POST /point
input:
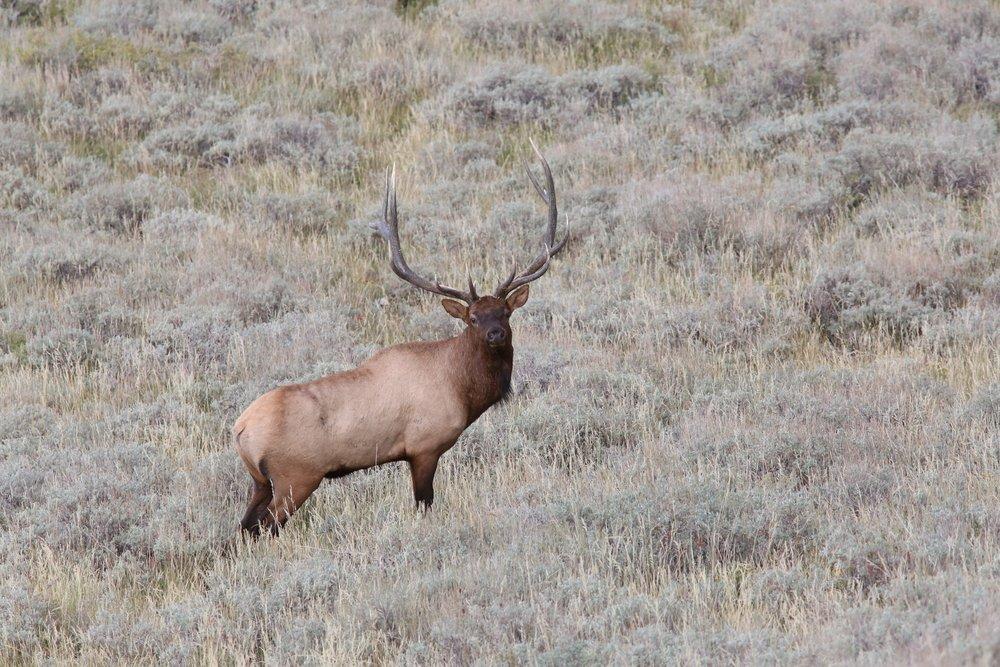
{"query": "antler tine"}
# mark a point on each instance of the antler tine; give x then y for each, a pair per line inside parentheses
(505, 285)
(389, 230)
(549, 197)
(385, 199)
(540, 264)
(533, 272)
(385, 227)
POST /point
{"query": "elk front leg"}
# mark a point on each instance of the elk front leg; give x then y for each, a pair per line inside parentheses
(422, 470)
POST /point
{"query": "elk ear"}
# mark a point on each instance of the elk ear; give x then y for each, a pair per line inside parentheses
(456, 309)
(518, 299)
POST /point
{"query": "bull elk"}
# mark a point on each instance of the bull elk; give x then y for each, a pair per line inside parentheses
(408, 402)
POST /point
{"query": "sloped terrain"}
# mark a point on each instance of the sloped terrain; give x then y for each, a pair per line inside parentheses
(756, 414)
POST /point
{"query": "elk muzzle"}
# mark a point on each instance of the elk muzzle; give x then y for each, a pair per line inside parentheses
(496, 337)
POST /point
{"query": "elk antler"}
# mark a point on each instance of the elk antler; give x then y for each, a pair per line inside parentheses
(540, 265)
(388, 229)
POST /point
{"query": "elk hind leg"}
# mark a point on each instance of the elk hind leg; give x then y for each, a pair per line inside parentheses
(259, 499)
(289, 492)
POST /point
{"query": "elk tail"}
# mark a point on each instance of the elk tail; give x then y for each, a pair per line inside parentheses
(257, 469)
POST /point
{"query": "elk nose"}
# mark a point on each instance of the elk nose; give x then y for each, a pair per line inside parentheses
(496, 336)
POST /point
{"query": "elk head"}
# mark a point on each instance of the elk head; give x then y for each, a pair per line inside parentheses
(487, 316)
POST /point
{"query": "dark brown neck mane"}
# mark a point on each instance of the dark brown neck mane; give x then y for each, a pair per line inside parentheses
(483, 372)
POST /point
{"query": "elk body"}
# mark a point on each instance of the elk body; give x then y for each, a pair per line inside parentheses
(409, 402)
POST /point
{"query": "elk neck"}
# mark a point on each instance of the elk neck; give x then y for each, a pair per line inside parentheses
(483, 372)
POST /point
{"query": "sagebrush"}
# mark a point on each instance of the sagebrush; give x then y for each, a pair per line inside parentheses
(756, 414)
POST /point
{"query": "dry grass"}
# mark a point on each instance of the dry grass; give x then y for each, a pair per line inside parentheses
(757, 407)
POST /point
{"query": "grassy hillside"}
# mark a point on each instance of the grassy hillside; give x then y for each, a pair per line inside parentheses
(756, 413)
